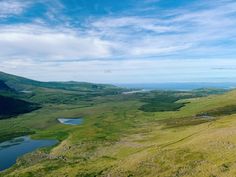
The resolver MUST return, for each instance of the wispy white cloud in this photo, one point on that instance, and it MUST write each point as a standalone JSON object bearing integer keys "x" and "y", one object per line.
{"x": 179, "y": 31}
{"x": 44, "y": 43}
{"x": 134, "y": 23}
{"x": 113, "y": 43}
{"x": 12, "y": 7}
{"x": 126, "y": 71}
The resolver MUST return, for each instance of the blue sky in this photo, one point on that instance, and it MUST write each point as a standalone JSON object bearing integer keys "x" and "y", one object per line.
{"x": 128, "y": 41}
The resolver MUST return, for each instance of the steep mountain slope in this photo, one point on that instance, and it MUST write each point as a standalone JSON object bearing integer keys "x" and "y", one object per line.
{"x": 4, "y": 87}
{"x": 11, "y": 107}
{"x": 21, "y": 95}
{"x": 10, "y": 104}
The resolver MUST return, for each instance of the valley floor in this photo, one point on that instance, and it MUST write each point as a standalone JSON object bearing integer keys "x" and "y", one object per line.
{"x": 118, "y": 139}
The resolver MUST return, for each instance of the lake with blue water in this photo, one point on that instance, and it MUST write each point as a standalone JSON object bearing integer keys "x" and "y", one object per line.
{"x": 71, "y": 121}
{"x": 12, "y": 149}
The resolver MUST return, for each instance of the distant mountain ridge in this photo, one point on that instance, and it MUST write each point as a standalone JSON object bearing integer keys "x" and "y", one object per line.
{"x": 20, "y": 83}
{"x": 19, "y": 95}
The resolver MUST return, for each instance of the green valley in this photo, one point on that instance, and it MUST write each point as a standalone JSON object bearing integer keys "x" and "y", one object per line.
{"x": 156, "y": 133}
{"x": 117, "y": 88}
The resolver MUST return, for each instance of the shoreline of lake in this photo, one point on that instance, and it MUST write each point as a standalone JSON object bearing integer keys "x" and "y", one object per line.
{"x": 11, "y": 150}
{"x": 71, "y": 121}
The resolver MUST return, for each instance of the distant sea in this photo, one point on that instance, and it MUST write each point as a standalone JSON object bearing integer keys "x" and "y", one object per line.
{"x": 178, "y": 86}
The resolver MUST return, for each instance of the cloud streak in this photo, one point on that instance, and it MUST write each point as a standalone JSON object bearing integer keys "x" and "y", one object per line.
{"x": 177, "y": 32}
{"x": 139, "y": 43}
{"x": 126, "y": 71}
{"x": 43, "y": 43}
{"x": 12, "y": 7}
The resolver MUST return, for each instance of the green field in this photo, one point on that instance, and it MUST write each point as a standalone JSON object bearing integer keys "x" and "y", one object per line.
{"x": 158, "y": 133}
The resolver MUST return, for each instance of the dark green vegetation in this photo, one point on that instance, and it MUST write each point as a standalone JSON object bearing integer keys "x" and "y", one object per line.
{"x": 221, "y": 111}
{"x": 4, "y": 87}
{"x": 20, "y": 95}
{"x": 162, "y": 101}
{"x": 23, "y": 84}
{"x": 157, "y": 133}
{"x": 52, "y": 92}
{"x": 158, "y": 101}
{"x": 11, "y": 107}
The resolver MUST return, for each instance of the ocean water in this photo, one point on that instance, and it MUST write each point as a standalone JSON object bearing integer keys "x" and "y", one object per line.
{"x": 178, "y": 86}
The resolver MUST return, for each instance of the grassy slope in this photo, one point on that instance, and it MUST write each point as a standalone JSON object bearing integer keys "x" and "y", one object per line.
{"x": 52, "y": 92}
{"x": 21, "y": 83}
{"x": 117, "y": 139}
{"x": 17, "y": 93}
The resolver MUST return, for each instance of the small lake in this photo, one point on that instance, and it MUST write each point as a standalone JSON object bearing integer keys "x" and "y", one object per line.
{"x": 136, "y": 91}
{"x": 74, "y": 121}
{"x": 12, "y": 149}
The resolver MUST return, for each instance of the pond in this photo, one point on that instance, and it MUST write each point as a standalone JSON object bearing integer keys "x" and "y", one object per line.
{"x": 71, "y": 121}
{"x": 12, "y": 149}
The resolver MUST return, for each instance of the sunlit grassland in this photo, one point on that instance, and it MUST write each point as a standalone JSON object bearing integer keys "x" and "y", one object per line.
{"x": 118, "y": 139}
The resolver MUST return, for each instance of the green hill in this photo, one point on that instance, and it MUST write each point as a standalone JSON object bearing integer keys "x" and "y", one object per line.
{"x": 117, "y": 138}
{"x": 21, "y": 83}
{"x": 157, "y": 133}
{"x": 20, "y": 95}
